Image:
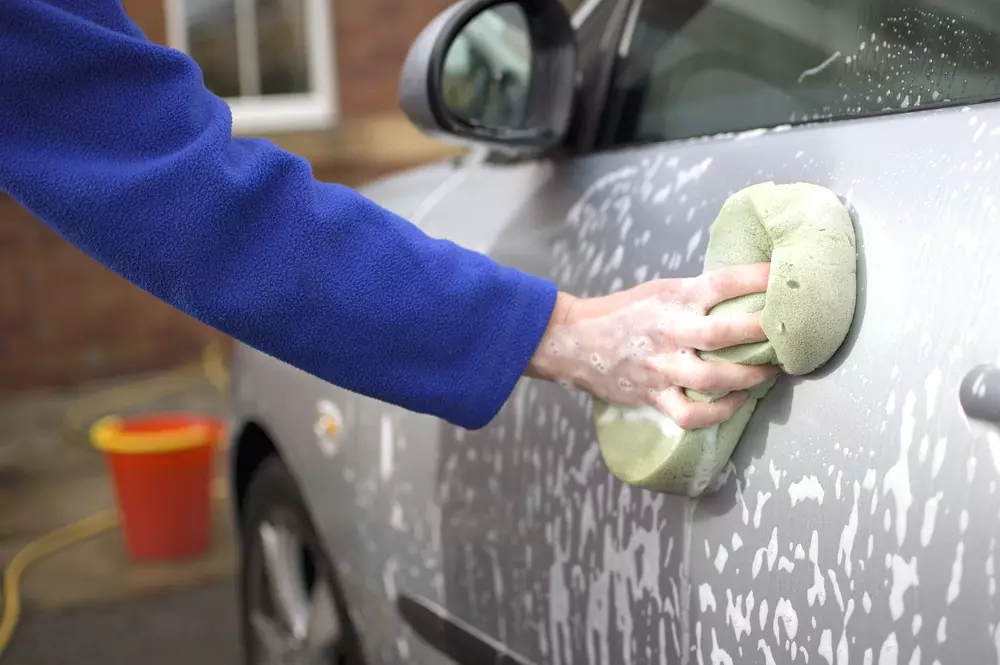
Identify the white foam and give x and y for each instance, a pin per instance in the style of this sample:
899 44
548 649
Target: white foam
386 460
996 640
842 648
826 646
706 598
719 655
736 618
889 654
772 549
786 615
721 558
809 488
689 175
751 134
904 576
930 518
818 589
396 520
693 242
642 413
955 586
848 535
897 479
932 385
763 647
832 574
389 578
813 71
762 498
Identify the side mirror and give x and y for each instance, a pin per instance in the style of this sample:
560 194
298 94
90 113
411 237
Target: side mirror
499 72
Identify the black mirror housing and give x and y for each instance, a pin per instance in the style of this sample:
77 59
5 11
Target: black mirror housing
551 88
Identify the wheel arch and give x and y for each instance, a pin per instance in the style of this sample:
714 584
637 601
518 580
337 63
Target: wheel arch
252 446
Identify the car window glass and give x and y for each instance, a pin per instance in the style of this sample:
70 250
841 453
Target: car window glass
701 67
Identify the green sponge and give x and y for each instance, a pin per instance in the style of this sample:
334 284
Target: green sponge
807 235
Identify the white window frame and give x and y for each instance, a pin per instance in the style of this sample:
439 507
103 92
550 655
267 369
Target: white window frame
254 115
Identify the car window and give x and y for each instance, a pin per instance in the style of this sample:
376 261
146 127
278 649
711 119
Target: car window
701 67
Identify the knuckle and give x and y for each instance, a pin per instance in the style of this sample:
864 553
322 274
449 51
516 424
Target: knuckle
652 365
669 335
701 377
685 416
652 397
657 380
726 407
653 380
714 336
720 282
735 401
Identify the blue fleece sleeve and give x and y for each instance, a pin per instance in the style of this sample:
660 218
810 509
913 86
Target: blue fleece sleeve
115 143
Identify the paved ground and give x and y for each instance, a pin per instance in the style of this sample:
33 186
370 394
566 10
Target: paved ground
193 627
88 603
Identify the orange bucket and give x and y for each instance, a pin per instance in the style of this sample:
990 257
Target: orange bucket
161 466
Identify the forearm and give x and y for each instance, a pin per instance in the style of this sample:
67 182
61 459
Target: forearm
119 147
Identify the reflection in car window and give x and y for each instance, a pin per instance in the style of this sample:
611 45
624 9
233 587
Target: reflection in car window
697 67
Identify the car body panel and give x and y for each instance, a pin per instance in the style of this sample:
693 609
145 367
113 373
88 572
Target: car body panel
404 193
862 518
860 522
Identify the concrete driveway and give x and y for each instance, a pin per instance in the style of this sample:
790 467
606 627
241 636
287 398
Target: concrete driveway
195 627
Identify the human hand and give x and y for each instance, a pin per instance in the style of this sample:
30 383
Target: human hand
639 346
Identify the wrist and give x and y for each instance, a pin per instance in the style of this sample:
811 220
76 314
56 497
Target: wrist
542 365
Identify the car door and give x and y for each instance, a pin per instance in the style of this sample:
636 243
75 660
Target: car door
860 523
380 499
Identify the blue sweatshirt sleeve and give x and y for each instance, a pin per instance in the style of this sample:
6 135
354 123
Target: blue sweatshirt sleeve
115 143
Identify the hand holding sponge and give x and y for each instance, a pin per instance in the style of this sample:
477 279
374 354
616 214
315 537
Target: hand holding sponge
806 233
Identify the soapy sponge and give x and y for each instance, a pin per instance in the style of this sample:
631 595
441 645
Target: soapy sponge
807 235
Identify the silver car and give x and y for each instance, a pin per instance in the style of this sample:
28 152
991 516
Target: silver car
861 523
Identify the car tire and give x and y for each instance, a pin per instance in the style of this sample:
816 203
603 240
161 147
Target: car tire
292 608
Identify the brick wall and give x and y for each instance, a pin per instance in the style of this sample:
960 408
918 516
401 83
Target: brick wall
64 319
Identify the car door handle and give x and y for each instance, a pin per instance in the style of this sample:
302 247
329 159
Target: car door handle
979 393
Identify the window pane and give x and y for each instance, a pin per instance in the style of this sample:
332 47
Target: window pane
211 35
697 67
282 47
